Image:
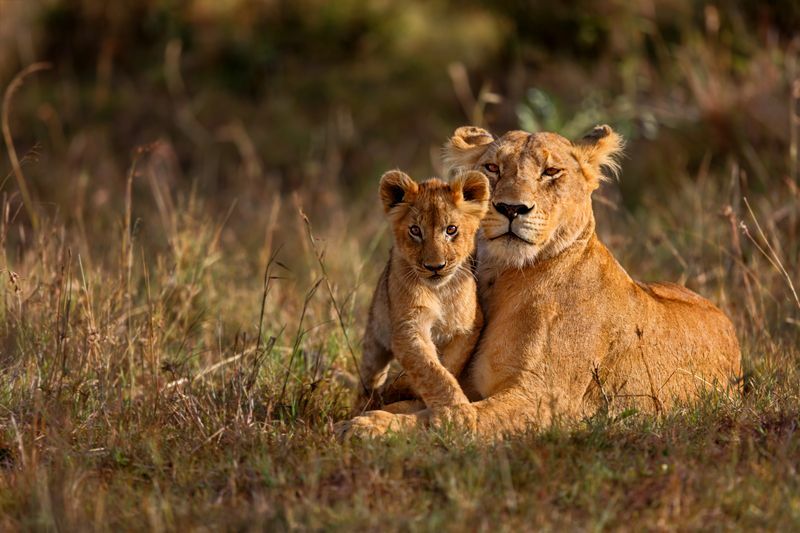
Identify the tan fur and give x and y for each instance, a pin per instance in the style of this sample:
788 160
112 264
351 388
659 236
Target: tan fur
568 332
429 321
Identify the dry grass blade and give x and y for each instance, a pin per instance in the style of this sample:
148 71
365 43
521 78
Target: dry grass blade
750 300
264 294
209 369
334 302
20 443
15 84
298 337
772 256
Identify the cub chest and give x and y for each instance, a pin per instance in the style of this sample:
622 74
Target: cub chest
452 316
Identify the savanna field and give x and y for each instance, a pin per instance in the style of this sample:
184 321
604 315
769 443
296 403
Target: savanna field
190 233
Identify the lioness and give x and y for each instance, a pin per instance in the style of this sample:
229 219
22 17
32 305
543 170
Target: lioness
567 331
425 308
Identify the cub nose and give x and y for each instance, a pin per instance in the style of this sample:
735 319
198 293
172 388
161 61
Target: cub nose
434 267
511 211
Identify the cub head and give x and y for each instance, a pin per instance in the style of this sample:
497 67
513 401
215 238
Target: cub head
541 187
433 222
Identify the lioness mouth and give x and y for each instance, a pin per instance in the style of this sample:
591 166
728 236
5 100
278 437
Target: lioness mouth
511 235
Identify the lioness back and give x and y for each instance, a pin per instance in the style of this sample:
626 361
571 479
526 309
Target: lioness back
673 292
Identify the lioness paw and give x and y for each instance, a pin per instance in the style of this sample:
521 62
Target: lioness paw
370 425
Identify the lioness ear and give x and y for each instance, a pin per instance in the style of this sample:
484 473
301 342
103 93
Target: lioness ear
599 149
471 192
465 147
396 187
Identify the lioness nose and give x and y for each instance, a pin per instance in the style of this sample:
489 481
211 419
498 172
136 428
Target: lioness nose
511 211
434 268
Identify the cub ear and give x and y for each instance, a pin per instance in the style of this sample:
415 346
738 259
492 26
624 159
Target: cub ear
465 147
471 192
599 149
396 188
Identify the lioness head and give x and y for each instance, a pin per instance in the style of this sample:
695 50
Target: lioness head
434 223
541 187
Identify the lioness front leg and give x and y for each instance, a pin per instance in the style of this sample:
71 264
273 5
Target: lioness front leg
414 348
404 407
375 424
510 411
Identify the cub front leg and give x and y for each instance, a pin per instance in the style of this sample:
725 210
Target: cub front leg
458 351
454 357
414 348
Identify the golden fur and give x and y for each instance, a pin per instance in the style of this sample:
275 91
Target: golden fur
426 317
568 332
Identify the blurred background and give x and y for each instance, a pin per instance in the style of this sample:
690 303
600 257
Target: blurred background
250 99
244 113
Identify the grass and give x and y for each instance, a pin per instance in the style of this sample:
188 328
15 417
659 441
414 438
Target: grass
175 323
138 393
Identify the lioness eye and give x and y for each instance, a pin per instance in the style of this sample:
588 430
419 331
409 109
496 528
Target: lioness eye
491 167
551 171
415 231
451 230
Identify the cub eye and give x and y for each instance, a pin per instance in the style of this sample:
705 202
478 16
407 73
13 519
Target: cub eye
551 171
415 231
451 230
491 167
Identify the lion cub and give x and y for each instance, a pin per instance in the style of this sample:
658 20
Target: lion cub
425 310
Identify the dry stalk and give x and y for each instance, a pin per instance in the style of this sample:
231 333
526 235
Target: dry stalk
15 84
794 113
20 443
474 108
334 302
259 355
209 369
236 133
298 337
272 223
736 243
772 256
186 118
264 294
